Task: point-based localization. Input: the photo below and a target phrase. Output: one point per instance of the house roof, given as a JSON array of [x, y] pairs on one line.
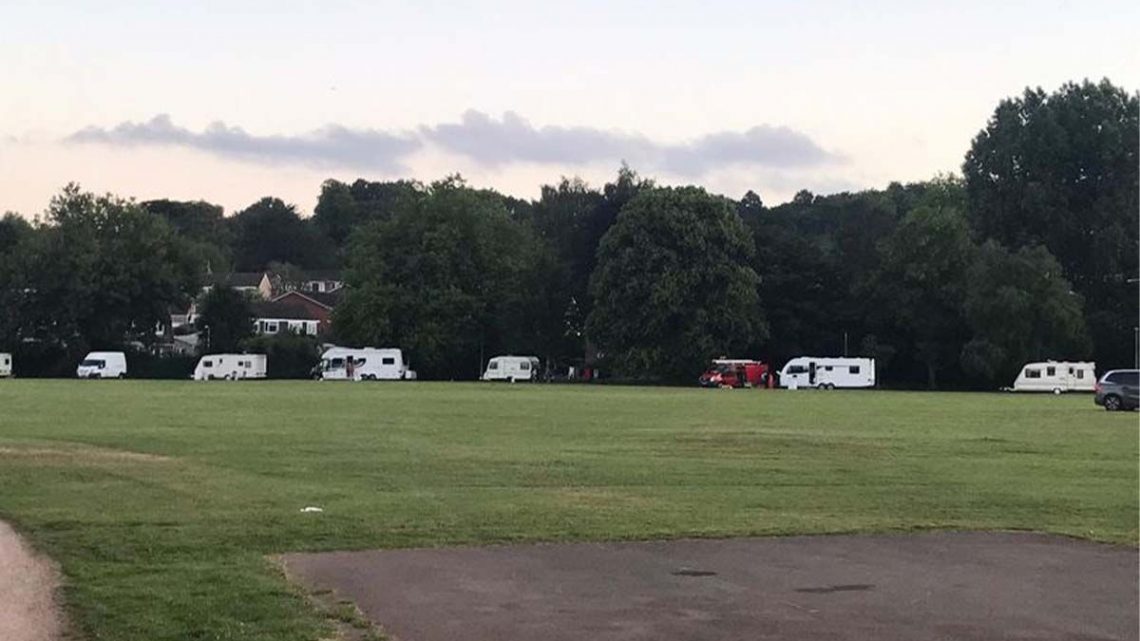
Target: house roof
[[244, 279], [283, 310], [327, 300]]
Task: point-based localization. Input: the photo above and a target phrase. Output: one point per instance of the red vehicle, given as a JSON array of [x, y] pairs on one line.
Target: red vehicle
[[735, 372]]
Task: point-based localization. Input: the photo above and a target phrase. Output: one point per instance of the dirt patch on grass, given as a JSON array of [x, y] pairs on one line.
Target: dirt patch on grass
[[80, 454], [28, 582]]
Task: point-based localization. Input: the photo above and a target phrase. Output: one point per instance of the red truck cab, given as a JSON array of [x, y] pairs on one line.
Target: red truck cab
[[734, 372]]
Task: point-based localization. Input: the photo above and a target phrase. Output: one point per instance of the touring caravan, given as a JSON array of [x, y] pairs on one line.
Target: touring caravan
[[103, 365], [1056, 377], [363, 364], [5, 365], [230, 367], [823, 372], [512, 368]]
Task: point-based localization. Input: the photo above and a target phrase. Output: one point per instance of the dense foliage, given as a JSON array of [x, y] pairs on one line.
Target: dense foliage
[[954, 282]]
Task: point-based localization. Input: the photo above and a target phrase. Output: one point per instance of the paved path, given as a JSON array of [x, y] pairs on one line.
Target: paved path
[[906, 587], [28, 611]]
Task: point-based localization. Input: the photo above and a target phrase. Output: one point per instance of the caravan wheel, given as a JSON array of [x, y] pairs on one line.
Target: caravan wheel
[[1056, 390]]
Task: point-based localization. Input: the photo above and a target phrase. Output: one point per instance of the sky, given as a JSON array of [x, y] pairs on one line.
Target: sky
[[231, 101]]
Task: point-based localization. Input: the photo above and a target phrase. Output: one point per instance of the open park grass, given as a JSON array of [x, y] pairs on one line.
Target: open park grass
[[164, 501]]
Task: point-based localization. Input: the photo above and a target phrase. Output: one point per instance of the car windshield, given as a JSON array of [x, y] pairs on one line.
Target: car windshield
[[92, 362]]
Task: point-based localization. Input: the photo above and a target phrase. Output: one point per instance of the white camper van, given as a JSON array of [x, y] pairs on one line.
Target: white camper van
[[230, 367], [363, 364], [1056, 377], [512, 368], [824, 372], [5, 364], [103, 365]]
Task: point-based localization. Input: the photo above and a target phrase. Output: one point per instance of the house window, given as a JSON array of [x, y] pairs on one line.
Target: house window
[[854, 369], [1050, 371], [388, 360], [1032, 373]]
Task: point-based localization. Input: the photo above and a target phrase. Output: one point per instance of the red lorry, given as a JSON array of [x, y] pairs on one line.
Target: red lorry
[[736, 372]]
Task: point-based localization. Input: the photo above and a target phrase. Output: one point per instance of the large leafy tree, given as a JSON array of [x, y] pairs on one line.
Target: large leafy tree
[[225, 319], [445, 278], [98, 271], [1061, 170], [271, 231], [923, 278], [1020, 308], [674, 285]]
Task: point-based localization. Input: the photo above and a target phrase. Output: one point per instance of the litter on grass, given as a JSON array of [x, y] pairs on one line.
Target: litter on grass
[[311, 509]]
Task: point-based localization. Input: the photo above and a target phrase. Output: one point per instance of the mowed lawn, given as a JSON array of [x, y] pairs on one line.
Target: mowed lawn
[[163, 501]]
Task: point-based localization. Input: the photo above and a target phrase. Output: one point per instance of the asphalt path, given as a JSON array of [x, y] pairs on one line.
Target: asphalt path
[[962, 585]]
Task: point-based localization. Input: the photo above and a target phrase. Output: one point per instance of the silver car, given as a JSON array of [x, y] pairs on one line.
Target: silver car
[[1118, 389]]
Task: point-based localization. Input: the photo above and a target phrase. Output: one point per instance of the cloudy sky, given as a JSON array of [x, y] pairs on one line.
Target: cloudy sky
[[232, 100]]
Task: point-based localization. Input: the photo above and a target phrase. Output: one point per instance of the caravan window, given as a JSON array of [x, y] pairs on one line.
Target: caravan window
[[797, 369], [854, 369], [827, 368], [388, 360], [493, 365], [524, 365], [207, 363], [1032, 373], [336, 363], [1050, 371]]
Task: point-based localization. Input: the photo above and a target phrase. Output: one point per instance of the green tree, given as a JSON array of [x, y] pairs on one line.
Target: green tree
[[445, 278], [1061, 170], [673, 285], [923, 278], [225, 319], [1020, 308], [271, 231]]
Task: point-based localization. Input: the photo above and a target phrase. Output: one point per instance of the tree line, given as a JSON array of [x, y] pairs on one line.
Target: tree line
[[1030, 253]]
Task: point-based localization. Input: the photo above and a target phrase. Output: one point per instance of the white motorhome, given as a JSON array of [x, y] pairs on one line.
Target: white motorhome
[[512, 368], [823, 372], [1056, 377], [230, 367], [103, 365], [5, 364], [363, 364]]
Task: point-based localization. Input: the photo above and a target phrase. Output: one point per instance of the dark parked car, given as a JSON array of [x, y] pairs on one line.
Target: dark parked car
[[1119, 390]]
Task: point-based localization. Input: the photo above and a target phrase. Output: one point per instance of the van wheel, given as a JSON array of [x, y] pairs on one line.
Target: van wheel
[[1112, 403]]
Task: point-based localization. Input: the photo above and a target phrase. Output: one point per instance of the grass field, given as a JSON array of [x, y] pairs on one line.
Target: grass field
[[162, 500]]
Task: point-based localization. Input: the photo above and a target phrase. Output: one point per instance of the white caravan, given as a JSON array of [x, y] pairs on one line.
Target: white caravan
[[5, 364], [824, 372], [230, 367], [1056, 377], [512, 368], [364, 364], [103, 365]]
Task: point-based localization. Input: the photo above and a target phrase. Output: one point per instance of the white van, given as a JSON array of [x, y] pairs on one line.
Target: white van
[[1056, 377], [103, 365], [5, 364], [230, 367], [512, 368], [823, 372], [363, 364]]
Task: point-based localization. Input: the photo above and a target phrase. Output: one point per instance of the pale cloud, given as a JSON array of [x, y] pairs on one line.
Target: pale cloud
[[488, 141], [330, 146], [512, 139]]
